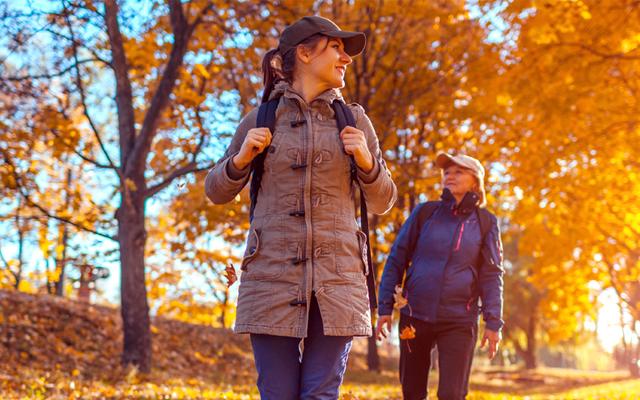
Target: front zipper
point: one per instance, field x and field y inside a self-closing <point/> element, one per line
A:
<point x="459" y="238"/>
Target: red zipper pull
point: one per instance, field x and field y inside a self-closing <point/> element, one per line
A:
<point x="459" y="237"/>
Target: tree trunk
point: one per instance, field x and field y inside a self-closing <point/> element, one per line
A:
<point x="62" y="262"/>
<point x="18" y="274"/>
<point x="373" y="359"/>
<point x="530" y="358"/>
<point x="132" y="237"/>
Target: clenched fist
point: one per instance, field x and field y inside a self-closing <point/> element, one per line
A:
<point x="355" y="144"/>
<point x="255" y="142"/>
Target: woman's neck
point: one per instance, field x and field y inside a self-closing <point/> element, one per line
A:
<point x="308" y="88"/>
<point x="458" y="198"/>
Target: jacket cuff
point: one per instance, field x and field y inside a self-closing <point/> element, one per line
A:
<point x="371" y="176"/>
<point x="494" y="325"/>
<point x="384" y="309"/>
<point x="233" y="173"/>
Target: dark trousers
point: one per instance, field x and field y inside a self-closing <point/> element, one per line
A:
<point x="456" y="343"/>
<point x="281" y="375"/>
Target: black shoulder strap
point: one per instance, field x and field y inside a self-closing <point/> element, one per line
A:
<point x="266" y="119"/>
<point x="484" y="219"/>
<point x="426" y="211"/>
<point x="344" y="118"/>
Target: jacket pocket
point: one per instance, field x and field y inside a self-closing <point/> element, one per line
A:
<point x="264" y="257"/>
<point x="458" y="286"/>
<point x="350" y="250"/>
<point x="253" y="245"/>
<point x="362" y="242"/>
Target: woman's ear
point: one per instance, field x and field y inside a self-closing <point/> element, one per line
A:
<point x="303" y="54"/>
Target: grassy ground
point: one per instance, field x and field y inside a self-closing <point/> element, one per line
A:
<point x="54" y="348"/>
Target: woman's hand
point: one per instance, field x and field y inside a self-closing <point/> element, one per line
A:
<point x="355" y="144"/>
<point x="494" y="339"/>
<point x="381" y="330"/>
<point x="255" y="142"/>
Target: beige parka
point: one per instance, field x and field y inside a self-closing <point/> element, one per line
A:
<point x="288" y="254"/>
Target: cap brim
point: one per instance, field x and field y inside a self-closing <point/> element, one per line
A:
<point x="443" y="160"/>
<point x="354" y="42"/>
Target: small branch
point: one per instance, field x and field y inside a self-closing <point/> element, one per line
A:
<point x="50" y="76"/>
<point x="32" y="203"/>
<point x="599" y="53"/>
<point x="76" y="152"/>
<point x="187" y="169"/>
<point x="80" y="86"/>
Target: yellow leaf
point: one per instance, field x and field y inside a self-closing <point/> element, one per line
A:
<point x="399" y="300"/>
<point x="503" y="99"/>
<point x="585" y="14"/>
<point x="131" y="185"/>
<point x="408" y="332"/>
<point x="202" y="71"/>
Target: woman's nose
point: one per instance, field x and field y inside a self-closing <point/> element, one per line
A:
<point x="345" y="58"/>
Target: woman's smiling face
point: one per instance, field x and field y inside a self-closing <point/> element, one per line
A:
<point x="458" y="180"/>
<point x="329" y="62"/>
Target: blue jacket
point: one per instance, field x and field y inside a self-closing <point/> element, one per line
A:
<point x="448" y="266"/>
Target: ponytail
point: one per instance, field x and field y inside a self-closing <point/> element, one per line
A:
<point x="270" y="73"/>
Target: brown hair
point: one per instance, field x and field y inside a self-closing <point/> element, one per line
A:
<point x="284" y="64"/>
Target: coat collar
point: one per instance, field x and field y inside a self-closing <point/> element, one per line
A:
<point x="468" y="204"/>
<point x="324" y="100"/>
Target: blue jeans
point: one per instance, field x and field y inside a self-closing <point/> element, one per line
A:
<point x="281" y="375"/>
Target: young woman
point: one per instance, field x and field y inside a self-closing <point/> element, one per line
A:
<point x="451" y="253"/>
<point x="303" y="273"/>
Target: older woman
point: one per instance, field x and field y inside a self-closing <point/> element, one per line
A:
<point x="451" y="253"/>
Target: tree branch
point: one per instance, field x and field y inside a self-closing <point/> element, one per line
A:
<point x="160" y="99"/>
<point x="124" y="96"/>
<point x="596" y="52"/>
<point x="46" y="212"/>
<point x="187" y="169"/>
<point x="53" y="75"/>
<point x="80" y="86"/>
<point x="76" y="152"/>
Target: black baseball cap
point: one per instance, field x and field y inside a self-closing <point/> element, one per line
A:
<point x="306" y="27"/>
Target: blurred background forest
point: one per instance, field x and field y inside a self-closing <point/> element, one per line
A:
<point x="112" y="112"/>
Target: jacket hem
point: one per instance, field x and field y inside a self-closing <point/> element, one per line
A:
<point x="268" y="330"/>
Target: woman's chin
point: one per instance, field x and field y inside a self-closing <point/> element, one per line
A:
<point x="338" y="83"/>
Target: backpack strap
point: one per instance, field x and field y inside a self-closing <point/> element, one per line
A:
<point x="344" y="118"/>
<point x="484" y="219"/>
<point x="266" y="119"/>
<point x="426" y="211"/>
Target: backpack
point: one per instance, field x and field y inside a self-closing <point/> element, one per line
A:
<point x="428" y="208"/>
<point x="344" y="117"/>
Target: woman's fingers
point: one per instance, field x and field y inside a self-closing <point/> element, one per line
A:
<point x="257" y="144"/>
<point x="262" y="134"/>
<point x="350" y="130"/>
<point x="383" y="327"/>
<point x="493" y="348"/>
